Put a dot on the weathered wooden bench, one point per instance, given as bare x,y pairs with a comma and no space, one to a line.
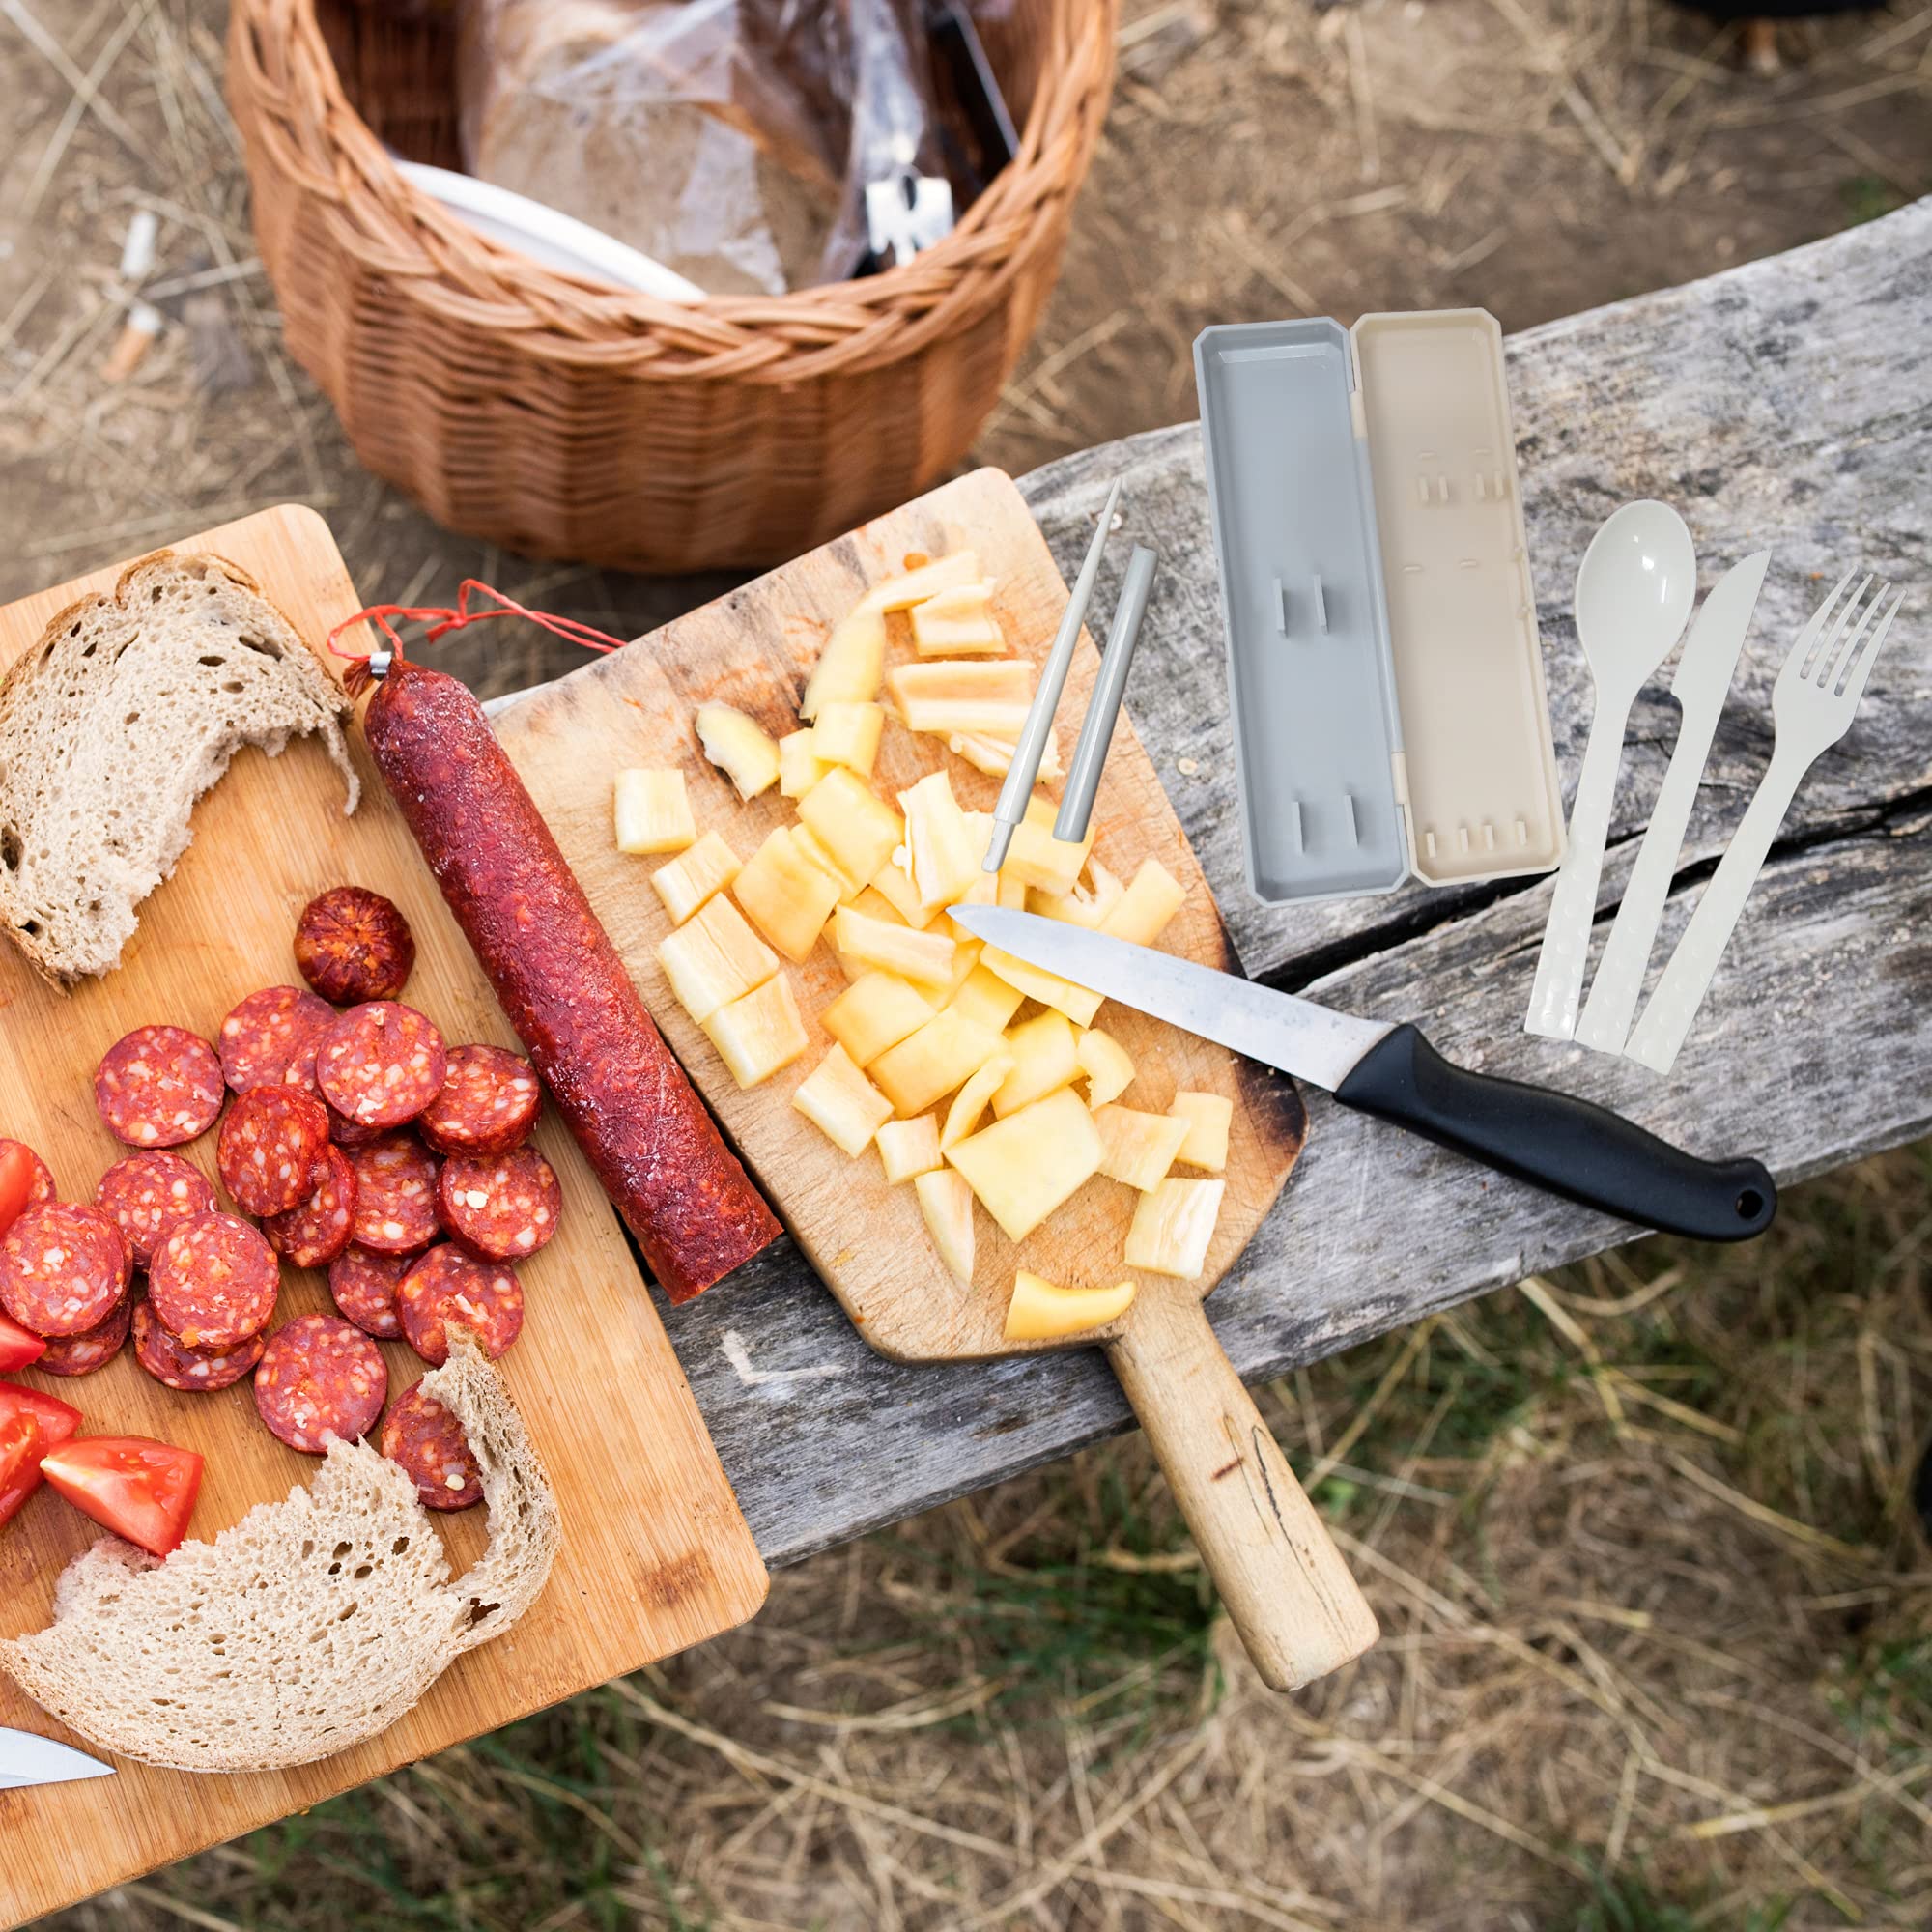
1788,403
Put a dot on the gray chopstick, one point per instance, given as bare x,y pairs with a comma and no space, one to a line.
1103,708
1031,746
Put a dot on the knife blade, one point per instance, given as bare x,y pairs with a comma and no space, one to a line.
27,1758
1554,1141
1700,684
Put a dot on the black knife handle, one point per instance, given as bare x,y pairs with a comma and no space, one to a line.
1570,1147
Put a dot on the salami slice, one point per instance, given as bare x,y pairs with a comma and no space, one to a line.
41,1187
213,1282
300,1070
423,1437
269,1144
380,1064
346,1134
489,1103
363,1284
320,1379
314,1231
175,1365
63,1267
447,1288
502,1207
158,1086
352,945
263,1042
81,1355
145,1194
395,1195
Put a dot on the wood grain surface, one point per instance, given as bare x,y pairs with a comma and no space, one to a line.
655,1553
752,649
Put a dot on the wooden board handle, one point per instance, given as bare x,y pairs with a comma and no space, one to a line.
1292,1598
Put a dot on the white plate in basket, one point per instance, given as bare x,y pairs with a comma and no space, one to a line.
558,241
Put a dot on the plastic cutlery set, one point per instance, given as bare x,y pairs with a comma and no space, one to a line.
1386,673
1633,595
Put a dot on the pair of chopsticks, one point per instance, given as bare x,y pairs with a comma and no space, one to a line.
1103,708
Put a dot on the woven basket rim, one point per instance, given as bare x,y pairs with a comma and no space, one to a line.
438,261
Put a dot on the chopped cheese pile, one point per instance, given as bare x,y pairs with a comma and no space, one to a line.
962,1066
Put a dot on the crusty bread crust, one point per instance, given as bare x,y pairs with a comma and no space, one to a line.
309,1627
130,705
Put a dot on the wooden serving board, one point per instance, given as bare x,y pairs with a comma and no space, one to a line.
655,1554
754,649
1282,1580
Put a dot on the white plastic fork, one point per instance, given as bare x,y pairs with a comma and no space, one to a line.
1812,704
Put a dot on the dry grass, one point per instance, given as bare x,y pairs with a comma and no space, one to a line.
1640,1536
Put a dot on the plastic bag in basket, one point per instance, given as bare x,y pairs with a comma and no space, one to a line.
729,139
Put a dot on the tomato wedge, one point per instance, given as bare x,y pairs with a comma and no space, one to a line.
56,1420
17,1345
16,1181
20,1448
139,1489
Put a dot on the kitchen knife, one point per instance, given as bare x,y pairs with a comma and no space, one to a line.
1554,1141
1700,685
26,1758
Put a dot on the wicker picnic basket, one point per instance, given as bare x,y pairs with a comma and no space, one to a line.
562,419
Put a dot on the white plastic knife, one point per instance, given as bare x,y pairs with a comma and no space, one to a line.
1570,1147
26,1758
1700,685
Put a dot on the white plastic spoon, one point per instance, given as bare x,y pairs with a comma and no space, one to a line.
1633,592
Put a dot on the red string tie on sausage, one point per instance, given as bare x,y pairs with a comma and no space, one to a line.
439,619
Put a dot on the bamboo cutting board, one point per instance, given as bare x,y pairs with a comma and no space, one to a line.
754,649
1282,1580
655,1556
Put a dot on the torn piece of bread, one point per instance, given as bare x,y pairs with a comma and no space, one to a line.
310,1626
123,714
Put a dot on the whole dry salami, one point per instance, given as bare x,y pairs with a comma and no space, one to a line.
81,1355
314,1231
176,1365
489,1103
352,945
319,1378
362,1284
380,1063
264,1039
560,980
449,1287
269,1144
158,1086
41,1185
213,1282
422,1438
395,1195
145,1194
63,1267
502,1207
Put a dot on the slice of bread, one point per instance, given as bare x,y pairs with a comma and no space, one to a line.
310,1626
123,714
